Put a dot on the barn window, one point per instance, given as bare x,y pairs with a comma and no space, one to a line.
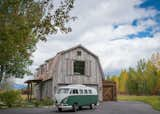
79,67
79,53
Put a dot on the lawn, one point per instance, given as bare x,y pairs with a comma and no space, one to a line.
154,101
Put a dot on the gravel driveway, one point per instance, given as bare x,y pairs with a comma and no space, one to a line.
104,108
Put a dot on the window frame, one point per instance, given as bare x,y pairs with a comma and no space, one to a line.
79,53
79,67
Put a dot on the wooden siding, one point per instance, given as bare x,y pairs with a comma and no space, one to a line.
92,71
65,70
60,70
37,91
47,89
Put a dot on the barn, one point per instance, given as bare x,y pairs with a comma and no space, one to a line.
76,65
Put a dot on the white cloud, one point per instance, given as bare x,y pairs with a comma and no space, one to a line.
116,11
94,29
125,53
22,80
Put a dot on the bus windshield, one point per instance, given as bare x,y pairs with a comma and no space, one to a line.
63,91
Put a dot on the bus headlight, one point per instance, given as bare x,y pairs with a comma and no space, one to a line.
65,100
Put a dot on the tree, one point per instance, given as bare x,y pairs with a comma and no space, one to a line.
131,84
116,79
152,77
144,79
22,24
7,84
155,59
108,77
141,77
122,81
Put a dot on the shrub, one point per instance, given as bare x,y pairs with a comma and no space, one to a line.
36,102
47,101
10,98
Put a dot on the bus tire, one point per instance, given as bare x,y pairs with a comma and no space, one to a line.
75,107
80,107
59,109
92,106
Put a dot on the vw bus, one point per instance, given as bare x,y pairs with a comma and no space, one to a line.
75,97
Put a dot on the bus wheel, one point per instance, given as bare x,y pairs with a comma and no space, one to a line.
92,106
59,109
80,107
75,107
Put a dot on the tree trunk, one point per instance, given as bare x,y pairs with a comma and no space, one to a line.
1,73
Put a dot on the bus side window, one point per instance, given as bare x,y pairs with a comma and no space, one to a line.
81,91
90,91
85,91
74,91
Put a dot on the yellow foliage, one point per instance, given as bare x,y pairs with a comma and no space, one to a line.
122,81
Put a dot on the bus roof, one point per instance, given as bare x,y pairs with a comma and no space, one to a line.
78,86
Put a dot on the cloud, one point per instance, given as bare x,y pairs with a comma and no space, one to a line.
116,12
103,26
125,53
95,30
22,80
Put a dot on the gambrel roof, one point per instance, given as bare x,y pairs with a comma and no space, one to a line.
79,46
56,59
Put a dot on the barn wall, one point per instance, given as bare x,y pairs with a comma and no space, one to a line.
47,89
92,75
65,68
36,91
60,69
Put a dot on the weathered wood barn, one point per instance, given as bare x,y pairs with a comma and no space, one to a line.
76,65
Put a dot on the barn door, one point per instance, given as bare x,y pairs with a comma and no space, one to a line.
107,93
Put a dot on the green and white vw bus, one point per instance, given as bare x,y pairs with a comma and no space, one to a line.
76,96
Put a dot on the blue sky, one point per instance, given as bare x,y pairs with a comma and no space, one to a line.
150,31
120,32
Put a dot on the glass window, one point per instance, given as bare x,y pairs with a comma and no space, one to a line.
79,67
85,91
74,91
79,53
81,91
63,91
90,91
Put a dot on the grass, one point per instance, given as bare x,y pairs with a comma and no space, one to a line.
24,103
24,97
154,101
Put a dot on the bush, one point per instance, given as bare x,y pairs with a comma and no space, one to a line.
10,98
36,103
47,101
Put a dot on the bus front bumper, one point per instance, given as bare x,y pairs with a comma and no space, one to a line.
63,106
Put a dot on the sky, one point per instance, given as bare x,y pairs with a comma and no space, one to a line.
120,32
